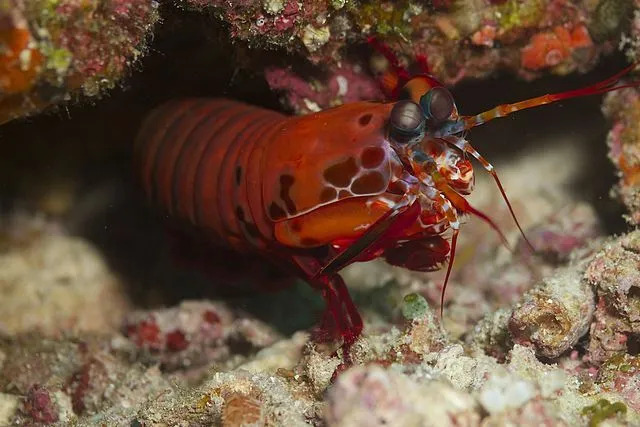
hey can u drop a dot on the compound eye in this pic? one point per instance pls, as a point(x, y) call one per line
point(437, 104)
point(406, 122)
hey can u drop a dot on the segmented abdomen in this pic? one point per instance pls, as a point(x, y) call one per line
point(201, 160)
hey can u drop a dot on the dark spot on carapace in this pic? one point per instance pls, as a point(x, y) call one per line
point(341, 173)
point(309, 242)
point(276, 212)
point(365, 120)
point(286, 182)
point(396, 188)
point(296, 226)
point(369, 183)
point(238, 175)
point(372, 157)
point(240, 214)
point(328, 194)
point(252, 230)
point(344, 194)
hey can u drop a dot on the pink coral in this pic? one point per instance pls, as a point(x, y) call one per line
point(345, 84)
point(194, 333)
point(39, 406)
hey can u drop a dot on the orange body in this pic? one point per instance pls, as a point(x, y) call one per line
point(260, 180)
point(318, 192)
point(312, 193)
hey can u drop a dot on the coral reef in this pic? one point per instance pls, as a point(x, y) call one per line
point(550, 338)
point(530, 362)
point(614, 273)
point(60, 380)
point(53, 283)
point(48, 58)
point(553, 316)
point(371, 395)
point(53, 51)
point(194, 333)
point(347, 83)
point(470, 37)
point(459, 39)
point(623, 108)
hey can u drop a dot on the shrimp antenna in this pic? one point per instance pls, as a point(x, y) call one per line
point(452, 255)
point(463, 205)
point(468, 122)
point(466, 147)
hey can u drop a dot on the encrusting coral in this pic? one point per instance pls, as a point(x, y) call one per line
point(526, 339)
point(53, 51)
point(623, 108)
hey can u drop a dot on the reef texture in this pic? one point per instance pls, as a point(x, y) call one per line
point(458, 39)
point(53, 51)
point(615, 273)
point(545, 339)
point(526, 36)
point(560, 349)
point(623, 108)
point(54, 283)
point(194, 334)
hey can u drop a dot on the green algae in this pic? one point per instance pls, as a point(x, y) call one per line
point(414, 306)
point(602, 410)
point(517, 14)
point(383, 18)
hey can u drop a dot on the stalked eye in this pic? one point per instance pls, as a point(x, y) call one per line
point(437, 105)
point(406, 122)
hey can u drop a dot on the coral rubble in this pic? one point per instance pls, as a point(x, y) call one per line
point(52, 51)
point(458, 38)
point(194, 334)
point(545, 338)
point(623, 107)
point(472, 37)
point(53, 283)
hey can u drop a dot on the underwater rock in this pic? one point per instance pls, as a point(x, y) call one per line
point(282, 355)
point(621, 374)
point(55, 51)
point(551, 48)
point(372, 395)
point(623, 108)
point(55, 283)
point(491, 335)
point(423, 333)
point(233, 399)
point(9, 405)
point(532, 414)
point(470, 37)
point(346, 83)
point(615, 271)
point(319, 368)
point(615, 274)
point(608, 334)
point(572, 227)
point(194, 333)
point(458, 39)
point(612, 16)
point(64, 379)
point(554, 315)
